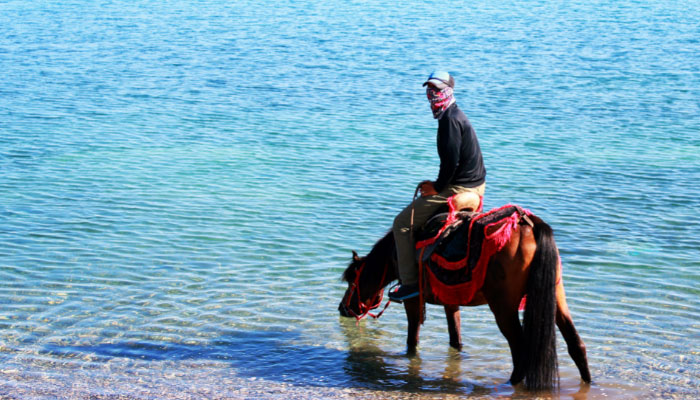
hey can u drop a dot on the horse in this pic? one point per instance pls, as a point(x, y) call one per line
point(527, 265)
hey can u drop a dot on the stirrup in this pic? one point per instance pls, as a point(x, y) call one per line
point(404, 292)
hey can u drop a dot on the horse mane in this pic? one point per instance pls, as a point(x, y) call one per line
point(375, 261)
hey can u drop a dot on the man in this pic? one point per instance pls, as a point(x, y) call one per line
point(461, 170)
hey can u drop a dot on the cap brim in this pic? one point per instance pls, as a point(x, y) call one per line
point(438, 83)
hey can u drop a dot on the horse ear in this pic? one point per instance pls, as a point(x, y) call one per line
point(355, 257)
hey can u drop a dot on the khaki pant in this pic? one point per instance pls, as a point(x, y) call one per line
point(424, 208)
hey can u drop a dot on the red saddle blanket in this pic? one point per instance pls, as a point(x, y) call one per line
point(453, 263)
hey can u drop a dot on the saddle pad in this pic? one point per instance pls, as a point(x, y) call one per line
point(453, 267)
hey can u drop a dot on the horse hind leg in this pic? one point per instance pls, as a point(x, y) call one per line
point(575, 346)
point(509, 324)
point(507, 318)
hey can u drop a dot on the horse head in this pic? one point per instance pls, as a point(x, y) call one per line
point(366, 278)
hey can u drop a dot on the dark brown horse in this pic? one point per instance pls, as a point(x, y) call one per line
point(526, 265)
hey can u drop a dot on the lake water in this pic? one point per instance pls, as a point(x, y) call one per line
point(182, 183)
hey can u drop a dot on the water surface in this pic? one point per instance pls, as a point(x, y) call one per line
point(181, 186)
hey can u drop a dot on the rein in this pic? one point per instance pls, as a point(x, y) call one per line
point(413, 208)
point(371, 304)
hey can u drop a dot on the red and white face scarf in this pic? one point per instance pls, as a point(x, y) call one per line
point(440, 100)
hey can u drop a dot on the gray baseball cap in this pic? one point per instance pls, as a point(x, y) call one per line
point(441, 79)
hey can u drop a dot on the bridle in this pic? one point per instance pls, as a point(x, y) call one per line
point(365, 307)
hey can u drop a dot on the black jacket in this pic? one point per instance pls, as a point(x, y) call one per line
point(461, 162)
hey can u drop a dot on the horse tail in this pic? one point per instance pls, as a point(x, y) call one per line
point(540, 356)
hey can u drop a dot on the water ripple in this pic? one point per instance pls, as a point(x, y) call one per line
point(181, 187)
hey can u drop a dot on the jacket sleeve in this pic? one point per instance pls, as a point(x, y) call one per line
point(449, 143)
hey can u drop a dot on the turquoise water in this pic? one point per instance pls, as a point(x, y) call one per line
point(182, 183)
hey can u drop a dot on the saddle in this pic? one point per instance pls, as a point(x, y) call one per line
point(453, 250)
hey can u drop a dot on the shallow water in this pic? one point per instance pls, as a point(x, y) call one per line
point(181, 186)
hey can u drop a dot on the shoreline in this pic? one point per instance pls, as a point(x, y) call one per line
point(191, 380)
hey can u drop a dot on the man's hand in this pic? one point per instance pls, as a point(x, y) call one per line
point(427, 189)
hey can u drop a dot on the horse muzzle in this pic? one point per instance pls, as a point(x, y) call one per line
point(344, 310)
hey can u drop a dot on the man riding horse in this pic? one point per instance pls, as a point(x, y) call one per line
point(461, 172)
point(505, 258)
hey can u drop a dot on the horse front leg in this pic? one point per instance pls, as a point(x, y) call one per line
point(414, 317)
point(454, 321)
